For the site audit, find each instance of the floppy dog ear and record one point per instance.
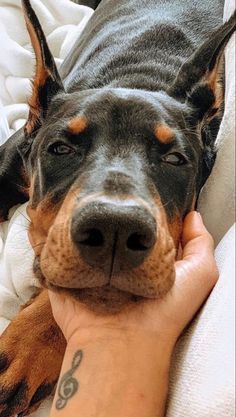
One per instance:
(198, 81)
(47, 82)
(13, 178)
(14, 175)
(199, 84)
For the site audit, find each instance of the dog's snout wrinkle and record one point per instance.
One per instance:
(117, 183)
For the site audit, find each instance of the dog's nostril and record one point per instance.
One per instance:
(136, 242)
(92, 237)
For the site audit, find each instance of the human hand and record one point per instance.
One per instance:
(196, 275)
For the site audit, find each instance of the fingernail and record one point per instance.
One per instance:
(199, 219)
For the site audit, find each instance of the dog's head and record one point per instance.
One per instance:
(110, 174)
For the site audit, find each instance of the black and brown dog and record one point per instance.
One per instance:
(113, 155)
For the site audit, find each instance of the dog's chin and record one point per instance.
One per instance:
(101, 300)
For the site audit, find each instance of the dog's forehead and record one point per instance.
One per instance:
(121, 105)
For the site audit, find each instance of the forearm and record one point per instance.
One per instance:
(114, 377)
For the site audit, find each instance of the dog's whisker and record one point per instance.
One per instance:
(25, 217)
(38, 244)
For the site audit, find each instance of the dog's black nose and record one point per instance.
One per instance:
(114, 235)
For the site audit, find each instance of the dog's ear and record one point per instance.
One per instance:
(199, 84)
(47, 82)
(198, 81)
(14, 175)
(14, 182)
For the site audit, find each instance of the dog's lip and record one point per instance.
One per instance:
(105, 286)
(45, 281)
(57, 287)
(102, 300)
(49, 284)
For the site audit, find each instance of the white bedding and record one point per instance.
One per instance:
(62, 22)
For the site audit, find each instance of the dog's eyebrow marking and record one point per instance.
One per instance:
(164, 133)
(77, 125)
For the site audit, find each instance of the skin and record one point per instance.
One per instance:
(132, 369)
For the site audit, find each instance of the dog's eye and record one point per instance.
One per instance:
(60, 148)
(174, 158)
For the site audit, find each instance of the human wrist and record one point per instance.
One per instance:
(134, 323)
(131, 369)
(127, 337)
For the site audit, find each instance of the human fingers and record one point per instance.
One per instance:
(196, 273)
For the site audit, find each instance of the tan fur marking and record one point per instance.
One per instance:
(216, 86)
(175, 228)
(77, 125)
(40, 343)
(164, 133)
(42, 218)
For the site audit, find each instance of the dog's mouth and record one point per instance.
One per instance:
(104, 299)
(109, 294)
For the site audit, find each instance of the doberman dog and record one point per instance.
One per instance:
(113, 155)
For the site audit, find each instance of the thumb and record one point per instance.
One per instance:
(196, 273)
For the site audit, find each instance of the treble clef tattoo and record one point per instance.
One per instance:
(68, 385)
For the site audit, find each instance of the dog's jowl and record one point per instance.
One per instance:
(114, 153)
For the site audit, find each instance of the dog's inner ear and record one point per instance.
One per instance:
(198, 81)
(47, 82)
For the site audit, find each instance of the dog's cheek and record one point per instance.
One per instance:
(42, 218)
(60, 262)
(175, 225)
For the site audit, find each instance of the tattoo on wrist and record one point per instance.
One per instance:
(68, 385)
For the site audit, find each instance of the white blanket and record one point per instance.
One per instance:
(62, 22)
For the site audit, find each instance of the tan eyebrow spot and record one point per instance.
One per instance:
(77, 125)
(164, 133)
